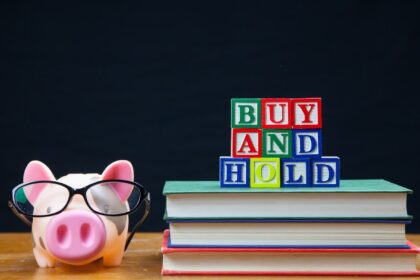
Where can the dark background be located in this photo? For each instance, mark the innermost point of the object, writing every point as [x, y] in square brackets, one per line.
[84, 85]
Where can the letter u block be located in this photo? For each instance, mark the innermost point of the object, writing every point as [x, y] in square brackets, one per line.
[307, 143]
[234, 172]
[325, 172]
[265, 172]
[276, 113]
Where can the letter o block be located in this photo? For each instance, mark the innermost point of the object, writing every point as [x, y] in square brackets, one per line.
[265, 172]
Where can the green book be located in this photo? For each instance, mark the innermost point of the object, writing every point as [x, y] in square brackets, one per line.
[354, 199]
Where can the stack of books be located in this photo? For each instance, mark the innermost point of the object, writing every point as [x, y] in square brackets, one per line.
[280, 208]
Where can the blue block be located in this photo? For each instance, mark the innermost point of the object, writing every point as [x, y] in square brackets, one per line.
[295, 172]
[306, 143]
[234, 172]
[325, 172]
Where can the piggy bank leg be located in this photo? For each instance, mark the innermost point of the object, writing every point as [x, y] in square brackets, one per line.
[43, 259]
[114, 258]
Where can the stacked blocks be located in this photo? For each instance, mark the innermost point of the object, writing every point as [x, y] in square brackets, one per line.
[277, 142]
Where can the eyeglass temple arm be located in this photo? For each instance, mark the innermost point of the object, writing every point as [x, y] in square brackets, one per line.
[140, 222]
[22, 217]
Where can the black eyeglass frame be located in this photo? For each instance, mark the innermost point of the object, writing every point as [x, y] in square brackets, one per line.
[82, 191]
[145, 197]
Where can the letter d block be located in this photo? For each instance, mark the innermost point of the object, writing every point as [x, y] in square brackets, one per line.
[265, 173]
[234, 172]
[325, 172]
[245, 113]
[295, 172]
[306, 143]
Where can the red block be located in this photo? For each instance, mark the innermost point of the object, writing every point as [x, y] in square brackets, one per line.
[246, 142]
[307, 113]
[276, 113]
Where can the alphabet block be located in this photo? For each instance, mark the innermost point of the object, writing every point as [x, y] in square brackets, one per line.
[325, 172]
[307, 113]
[276, 113]
[246, 142]
[295, 172]
[277, 143]
[245, 112]
[306, 143]
[234, 172]
[265, 172]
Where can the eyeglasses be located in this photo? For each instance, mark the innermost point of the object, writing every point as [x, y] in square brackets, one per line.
[108, 198]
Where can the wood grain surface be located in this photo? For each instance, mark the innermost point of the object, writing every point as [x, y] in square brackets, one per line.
[143, 260]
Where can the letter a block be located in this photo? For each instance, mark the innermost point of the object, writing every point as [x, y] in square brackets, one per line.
[295, 172]
[245, 112]
[234, 172]
[325, 172]
[265, 172]
[246, 142]
[276, 113]
[307, 143]
[277, 143]
[307, 113]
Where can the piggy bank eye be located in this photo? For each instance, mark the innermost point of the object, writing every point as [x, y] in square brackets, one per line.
[106, 208]
[48, 209]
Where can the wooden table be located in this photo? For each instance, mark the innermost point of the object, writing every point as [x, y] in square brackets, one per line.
[142, 261]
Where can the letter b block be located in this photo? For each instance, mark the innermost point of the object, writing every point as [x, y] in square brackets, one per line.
[326, 172]
[265, 172]
[245, 112]
[234, 172]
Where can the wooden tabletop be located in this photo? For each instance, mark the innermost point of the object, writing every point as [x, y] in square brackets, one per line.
[143, 260]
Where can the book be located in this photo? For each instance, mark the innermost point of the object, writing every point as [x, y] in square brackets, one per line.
[354, 199]
[305, 234]
[288, 261]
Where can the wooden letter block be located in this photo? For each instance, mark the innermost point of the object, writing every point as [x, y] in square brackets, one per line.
[234, 172]
[306, 143]
[265, 173]
[295, 172]
[277, 143]
[307, 113]
[245, 112]
[246, 142]
[325, 172]
[276, 113]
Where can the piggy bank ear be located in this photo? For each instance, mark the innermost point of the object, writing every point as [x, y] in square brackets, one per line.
[120, 170]
[36, 171]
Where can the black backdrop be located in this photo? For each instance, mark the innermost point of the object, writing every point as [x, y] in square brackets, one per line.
[84, 85]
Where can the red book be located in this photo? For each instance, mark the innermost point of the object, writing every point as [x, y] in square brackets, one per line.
[288, 261]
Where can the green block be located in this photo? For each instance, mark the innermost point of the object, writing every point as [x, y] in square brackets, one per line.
[277, 143]
[245, 112]
[265, 172]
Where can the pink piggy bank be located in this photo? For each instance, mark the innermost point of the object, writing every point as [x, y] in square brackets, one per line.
[79, 218]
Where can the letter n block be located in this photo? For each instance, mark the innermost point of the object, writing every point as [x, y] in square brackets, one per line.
[325, 172]
[265, 173]
[276, 113]
[307, 113]
[277, 143]
[246, 142]
[234, 172]
[306, 143]
[245, 112]
[295, 172]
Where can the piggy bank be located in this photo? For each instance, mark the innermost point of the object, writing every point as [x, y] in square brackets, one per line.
[78, 218]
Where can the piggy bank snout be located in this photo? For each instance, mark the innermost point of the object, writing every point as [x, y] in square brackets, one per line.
[75, 236]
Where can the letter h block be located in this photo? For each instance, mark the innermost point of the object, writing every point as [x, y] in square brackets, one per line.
[234, 172]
